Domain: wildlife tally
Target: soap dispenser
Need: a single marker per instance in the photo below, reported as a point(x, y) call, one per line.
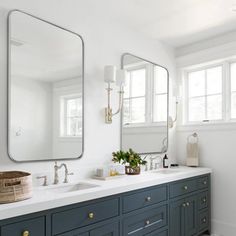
point(165, 162)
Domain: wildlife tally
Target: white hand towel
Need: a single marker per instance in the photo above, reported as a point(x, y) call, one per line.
point(192, 154)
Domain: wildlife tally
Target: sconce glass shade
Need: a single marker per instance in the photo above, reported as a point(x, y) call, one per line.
point(121, 77)
point(109, 74)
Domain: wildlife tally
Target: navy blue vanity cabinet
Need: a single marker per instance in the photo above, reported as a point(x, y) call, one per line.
point(189, 207)
point(34, 227)
point(108, 229)
point(179, 208)
point(145, 211)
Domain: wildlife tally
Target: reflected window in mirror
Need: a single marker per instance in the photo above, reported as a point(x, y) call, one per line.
point(71, 116)
point(145, 106)
point(145, 97)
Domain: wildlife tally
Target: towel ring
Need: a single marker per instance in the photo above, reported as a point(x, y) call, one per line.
point(194, 135)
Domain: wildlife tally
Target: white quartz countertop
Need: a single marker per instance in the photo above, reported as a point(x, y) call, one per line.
point(43, 199)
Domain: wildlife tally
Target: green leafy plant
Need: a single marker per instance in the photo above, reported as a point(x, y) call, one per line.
point(129, 157)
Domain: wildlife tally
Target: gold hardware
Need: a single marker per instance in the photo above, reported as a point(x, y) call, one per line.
point(184, 205)
point(147, 222)
point(91, 215)
point(204, 200)
point(187, 204)
point(148, 199)
point(204, 182)
point(26, 233)
point(204, 220)
point(185, 187)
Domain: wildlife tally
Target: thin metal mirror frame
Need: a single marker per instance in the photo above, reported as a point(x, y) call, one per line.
point(121, 116)
point(9, 84)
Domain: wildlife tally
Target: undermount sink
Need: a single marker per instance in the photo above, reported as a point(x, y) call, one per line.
point(167, 171)
point(71, 188)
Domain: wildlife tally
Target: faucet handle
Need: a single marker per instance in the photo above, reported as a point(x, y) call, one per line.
point(71, 173)
point(45, 182)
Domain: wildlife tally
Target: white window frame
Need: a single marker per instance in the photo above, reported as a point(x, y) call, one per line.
point(63, 116)
point(226, 93)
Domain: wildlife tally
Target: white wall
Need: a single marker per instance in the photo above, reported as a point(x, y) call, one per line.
point(105, 42)
point(217, 142)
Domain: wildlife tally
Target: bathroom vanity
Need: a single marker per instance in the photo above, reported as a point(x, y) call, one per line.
point(152, 204)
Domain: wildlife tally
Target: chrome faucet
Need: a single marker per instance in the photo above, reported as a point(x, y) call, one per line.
point(56, 177)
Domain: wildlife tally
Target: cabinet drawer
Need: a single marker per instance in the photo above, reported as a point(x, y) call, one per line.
point(203, 182)
point(157, 233)
point(145, 198)
point(203, 220)
point(145, 222)
point(203, 200)
point(183, 187)
point(81, 216)
point(35, 227)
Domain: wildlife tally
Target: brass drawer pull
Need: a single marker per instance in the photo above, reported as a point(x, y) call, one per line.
point(205, 182)
point(147, 222)
point(148, 199)
point(184, 205)
point(26, 233)
point(204, 220)
point(187, 204)
point(91, 215)
point(185, 187)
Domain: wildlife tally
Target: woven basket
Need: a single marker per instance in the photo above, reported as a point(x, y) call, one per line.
point(15, 186)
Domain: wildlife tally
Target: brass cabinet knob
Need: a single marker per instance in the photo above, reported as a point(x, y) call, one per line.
point(204, 200)
point(205, 182)
point(26, 233)
point(147, 222)
point(187, 204)
point(91, 215)
point(184, 205)
point(148, 199)
point(185, 187)
point(204, 220)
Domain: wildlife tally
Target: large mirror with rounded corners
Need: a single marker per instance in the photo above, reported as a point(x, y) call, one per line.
point(45, 90)
point(144, 120)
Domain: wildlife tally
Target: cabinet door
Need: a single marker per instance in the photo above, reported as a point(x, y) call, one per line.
point(106, 230)
point(177, 218)
point(191, 216)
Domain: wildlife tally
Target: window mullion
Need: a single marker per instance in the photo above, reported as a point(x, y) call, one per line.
point(206, 102)
point(227, 91)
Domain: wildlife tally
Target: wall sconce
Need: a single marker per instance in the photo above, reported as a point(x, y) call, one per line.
point(112, 75)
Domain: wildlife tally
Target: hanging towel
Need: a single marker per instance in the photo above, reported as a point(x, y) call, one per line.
point(192, 154)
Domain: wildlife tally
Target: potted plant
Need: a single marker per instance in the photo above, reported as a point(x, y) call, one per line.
point(130, 159)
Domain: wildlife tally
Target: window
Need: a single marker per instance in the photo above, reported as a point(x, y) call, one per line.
point(71, 116)
point(146, 95)
point(205, 94)
point(210, 93)
point(233, 89)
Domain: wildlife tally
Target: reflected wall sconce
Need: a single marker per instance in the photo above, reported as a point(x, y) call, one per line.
point(171, 120)
point(118, 76)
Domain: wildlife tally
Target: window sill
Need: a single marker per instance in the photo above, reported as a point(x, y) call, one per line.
point(230, 125)
point(69, 139)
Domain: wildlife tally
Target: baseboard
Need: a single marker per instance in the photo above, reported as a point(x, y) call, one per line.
point(220, 228)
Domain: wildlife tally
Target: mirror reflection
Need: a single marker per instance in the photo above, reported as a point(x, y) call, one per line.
point(145, 106)
point(45, 90)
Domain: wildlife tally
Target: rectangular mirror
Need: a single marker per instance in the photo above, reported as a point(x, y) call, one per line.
point(144, 120)
point(45, 90)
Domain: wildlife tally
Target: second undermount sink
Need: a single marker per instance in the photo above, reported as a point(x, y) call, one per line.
point(71, 187)
point(167, 171)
